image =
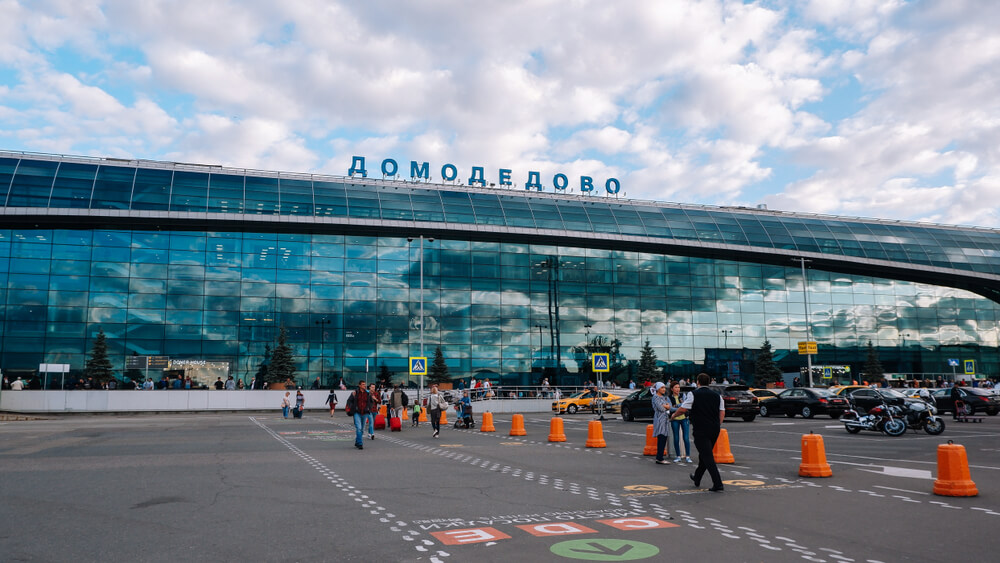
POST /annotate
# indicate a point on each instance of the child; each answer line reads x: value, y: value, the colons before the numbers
x: 416, y: 415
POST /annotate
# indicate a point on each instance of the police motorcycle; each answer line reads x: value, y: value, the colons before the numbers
x: 883, y: 418
x: 922, y: 415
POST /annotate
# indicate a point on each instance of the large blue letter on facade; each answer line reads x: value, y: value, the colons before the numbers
x: 505, y: 177
x: 424, y: 171
x: 586, y: 184
x: 386, y: 171
x: 534, y: 181
x: 613, y: 186
x: 478, y: 176
x: 560, y: 181
x: 357, y: 167
x: 449, y: 172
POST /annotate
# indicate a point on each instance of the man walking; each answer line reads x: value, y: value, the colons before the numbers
x: 707, y: 411
x: 359, y: 404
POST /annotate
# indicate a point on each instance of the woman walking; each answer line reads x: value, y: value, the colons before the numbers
x: 331, y: 400
x: 661, y: 414
x: 679, y: 424
x: 436, y: 403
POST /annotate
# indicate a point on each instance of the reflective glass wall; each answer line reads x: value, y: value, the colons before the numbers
x: 509, y: 311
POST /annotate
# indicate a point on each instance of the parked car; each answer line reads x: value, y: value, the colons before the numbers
x: 639, y: 404
x: 845, y: 390
x: 976, y: 400
x: 807, y: 401
x: 763, y: 394
x: 739, y: 401
x: 866, y: 399
x: 581, y: 400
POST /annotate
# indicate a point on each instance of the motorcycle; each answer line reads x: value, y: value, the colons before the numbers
x: 882, y: 418
x: 922, y: 415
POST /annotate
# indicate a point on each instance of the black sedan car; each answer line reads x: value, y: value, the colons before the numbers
x: 638, y: 404
x: 739, y: 401
x: 806, y: 401
x: 976, y: 400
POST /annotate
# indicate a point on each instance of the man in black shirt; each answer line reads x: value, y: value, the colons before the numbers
x: 707, y: 411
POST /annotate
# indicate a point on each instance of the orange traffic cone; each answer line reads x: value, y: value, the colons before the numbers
x: 814, y: 457
x: 423, y: 415
x: 517, y: 425
x: 595, y: 435
x: 650, y: 448
x: 405, y: 416
x: 444, y: 416
x: 556, y: 433
x: 487, y: 425
x: 953, y: 479
x: 382, y: 410
x: 721, y: 450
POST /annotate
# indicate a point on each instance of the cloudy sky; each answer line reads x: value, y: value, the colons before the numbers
x: 874, y: 108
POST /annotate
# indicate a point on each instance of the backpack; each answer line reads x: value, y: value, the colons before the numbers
x: 406, y: 400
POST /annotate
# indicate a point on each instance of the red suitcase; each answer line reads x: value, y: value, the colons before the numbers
x: 395, y: 424
x: 380, y: 422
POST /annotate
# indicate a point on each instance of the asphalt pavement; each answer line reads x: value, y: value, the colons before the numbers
x: 238, y: 487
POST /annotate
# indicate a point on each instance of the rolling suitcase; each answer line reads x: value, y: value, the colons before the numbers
x: 395, y: 424
x: 380, y: 422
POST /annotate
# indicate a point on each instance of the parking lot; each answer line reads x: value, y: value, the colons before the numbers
x: 226, y: 487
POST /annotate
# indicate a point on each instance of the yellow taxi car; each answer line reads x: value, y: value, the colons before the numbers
x: 764, y: 394
x: 585, y: 400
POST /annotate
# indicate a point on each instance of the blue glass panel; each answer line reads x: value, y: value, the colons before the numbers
x: 113, y: 187
x: 7, y: 167
x: 395, y: 205
x: 296, y: 196
x: 190, y: 191
x: 362, y: 201
x: 32, y: 185
x: 330, y: 199
x: 225, y: 193
x: 262, y: 196
x: 151, y: 191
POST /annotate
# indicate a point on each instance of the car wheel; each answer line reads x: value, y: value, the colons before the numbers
x: 627, y: 414
x: 571, y: 409
x: 763, y: 411
x: 790, y: 414
x: 807, y: 412
x: 749, y: 417
x: 992, y: 412
x: 836, y: 414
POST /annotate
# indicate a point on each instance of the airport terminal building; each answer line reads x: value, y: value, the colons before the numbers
x: 202, y: 265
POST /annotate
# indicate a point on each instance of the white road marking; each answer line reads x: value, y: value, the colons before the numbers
x: 900, y: 490
x: 903, y: 472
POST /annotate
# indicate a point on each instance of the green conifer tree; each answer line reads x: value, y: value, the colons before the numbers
x: 282, y: 366
x: 873, y: 371
x: 438, y: 372
x: 98, y: 365
x: 764, y: 369
x: 647, y: 364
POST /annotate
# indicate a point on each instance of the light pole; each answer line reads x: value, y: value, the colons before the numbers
x: 805, y: 298
x: 322, y: 345
x: 410, y: 239
x: 725, y: 347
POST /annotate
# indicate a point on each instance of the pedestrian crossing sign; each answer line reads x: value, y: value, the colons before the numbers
x: 418, y: 365
x: 601, y: 362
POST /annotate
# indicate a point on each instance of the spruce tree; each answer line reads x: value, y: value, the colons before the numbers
x: 438, y: 372
x: 647, y: 364
x: 764, y: 369
x: 873, y: 371
x: 98, y: 365
x: 282, y: 367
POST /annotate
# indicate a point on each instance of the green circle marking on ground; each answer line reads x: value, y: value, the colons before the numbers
x: 604, y: 550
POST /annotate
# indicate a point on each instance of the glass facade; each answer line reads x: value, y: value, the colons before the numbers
x: 501, y: 309
x: 513, y: 285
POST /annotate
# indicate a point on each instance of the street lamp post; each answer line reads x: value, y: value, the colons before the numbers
x: 410, y: 239
x: 322, y: 347
x: 805, y: 298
